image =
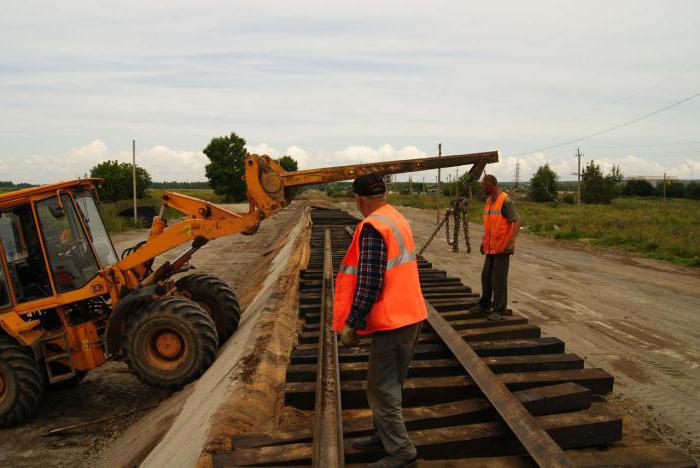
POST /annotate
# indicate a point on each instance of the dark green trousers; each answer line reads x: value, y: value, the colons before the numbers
x: 494, y: 283
x: 389, y: 357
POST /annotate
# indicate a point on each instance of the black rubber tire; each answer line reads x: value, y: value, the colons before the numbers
x: 217, y: 298
x: 172, y: 316
x: 23, y: 382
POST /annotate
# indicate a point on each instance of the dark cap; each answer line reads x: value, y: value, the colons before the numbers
x: 368, y: 185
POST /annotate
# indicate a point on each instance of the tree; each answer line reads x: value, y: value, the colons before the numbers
x: 673, y: 189
x: 638, y: 188
x: 288, y: 163
x: 596, y: 188
x: 226, y: 169
x: 692, y: 191
x: 615, y: 179
x: 543, y: 185
x: 118, y: 184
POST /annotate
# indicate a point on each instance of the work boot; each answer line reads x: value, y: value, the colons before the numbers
x: 404, y: 458
x: 372, y: 443
x: 495, y: 316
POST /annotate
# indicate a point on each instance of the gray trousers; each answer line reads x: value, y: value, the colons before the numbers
x: 389, y: 357
x: 494, y: 281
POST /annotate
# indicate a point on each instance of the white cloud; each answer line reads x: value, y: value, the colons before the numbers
x: 162, y: 162
x: 165, y: 163
x: 263, y: 149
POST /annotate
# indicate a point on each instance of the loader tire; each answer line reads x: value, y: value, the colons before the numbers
x: 170, y: 342
x: 217, y: 298
x: 21, y: 382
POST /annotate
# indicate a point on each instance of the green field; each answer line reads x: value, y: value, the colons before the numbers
x: 667, y: 230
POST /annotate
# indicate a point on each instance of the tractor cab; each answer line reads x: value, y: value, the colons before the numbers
x: 52, y: 241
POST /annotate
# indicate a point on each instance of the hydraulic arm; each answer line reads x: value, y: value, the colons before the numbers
x: 268, y: 192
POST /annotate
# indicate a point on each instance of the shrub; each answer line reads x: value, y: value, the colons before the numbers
x: 543, y: 185
x: 638, y: 188
x: 118, y: 184
x: 673, y: 189
x: 569, y: 198
x: 692, y: 191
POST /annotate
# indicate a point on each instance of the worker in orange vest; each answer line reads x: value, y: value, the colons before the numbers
x: 501, y: 226
x: 377, y: 293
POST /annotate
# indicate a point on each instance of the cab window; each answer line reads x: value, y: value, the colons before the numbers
x: 25, y: 259
x: 4, y: 287
x: 100, y: 238
x: 71, y: 258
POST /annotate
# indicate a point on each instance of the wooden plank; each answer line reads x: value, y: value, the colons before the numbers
x: 461, y: 324
x: 500, y: 331
x: 489, y: 438
x: 445, y: 389
x: 613, y: 457
x: 445, y: 367
x: 542, y: 345
x: 538, y: 443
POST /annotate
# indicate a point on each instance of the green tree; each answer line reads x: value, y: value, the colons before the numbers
x: 118, y: 184
x: 674, y: 189
x: 543, y: 185
x: 638, y: 188
x: 226, y: 169
x: 288, y: 163
x: 692, y: 191
x: 597, y: 188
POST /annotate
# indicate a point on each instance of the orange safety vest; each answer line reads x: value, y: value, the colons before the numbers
x: 400, y: 302
x: 497, y: 231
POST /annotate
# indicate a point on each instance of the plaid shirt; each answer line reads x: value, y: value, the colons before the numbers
x: 370, y: 276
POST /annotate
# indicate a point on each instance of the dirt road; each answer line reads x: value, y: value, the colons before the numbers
x: 638, y: 319
x: 111, y: 390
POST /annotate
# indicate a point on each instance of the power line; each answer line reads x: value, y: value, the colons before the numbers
x: 615, y: 127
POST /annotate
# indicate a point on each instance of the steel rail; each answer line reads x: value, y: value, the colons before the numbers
x: 328, y: 446
x: 538, y: 443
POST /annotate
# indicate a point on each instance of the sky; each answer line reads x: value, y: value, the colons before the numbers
x: 333, y: 83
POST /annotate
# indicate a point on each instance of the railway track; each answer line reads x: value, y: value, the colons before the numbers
x: 478, y: 393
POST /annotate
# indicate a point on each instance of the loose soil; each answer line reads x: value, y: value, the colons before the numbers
x: 111, y: 390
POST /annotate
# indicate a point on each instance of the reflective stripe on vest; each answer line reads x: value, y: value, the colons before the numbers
x: 405, y: 255
x: 400, y: 301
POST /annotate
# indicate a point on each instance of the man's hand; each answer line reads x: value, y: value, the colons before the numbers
x: 349, y: 336
x: 510, y: 248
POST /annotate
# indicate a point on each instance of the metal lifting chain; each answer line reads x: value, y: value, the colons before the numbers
x: 459, y: 212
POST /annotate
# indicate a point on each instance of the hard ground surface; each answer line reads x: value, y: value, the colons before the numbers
x: 636, y: 318
x: 111, y: 390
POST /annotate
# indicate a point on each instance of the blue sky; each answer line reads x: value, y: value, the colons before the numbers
x: 344, y: 82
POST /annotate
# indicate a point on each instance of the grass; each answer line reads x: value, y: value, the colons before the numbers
x: 667, y: 230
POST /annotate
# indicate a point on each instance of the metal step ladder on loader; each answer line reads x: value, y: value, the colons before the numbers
x: 51, y: 356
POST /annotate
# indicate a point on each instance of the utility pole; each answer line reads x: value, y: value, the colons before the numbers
x: 664, y: 187
x: 437, y: 190
x: 133, y: 177
x: 578, y: 177
x: 410, y: 185
x: 424, y: 189
x: 517, y: 173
